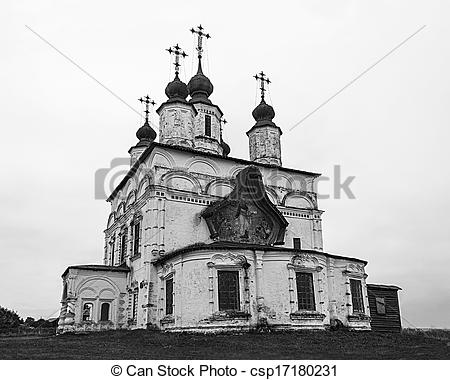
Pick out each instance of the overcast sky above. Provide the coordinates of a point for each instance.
(389, 129)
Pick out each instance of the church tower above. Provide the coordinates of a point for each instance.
(177, 115)
(208, 121)
(146, 134)
(264, 136)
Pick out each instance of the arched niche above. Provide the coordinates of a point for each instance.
(111, 219)
(130, 199)
(219, 187)
(297, 200)
(203, 166)
(163, 160)
(120, 209)
(107, 293)
(180, 180)
(278, 179)
(235, 170)
(143, 185)
(272, 194)
(97, 284)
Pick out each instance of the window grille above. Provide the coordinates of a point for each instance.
(228, 290)
(305, 291)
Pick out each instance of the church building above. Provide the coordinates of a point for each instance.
(198, 240)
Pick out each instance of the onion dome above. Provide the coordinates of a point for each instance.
(199, 86)
(146, 134)
(225, 148)
(177, 90)
(263, 113)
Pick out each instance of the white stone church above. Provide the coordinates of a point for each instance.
(198, 240)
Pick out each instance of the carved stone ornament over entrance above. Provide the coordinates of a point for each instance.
(246, 215)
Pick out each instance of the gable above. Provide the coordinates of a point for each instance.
(246, 215)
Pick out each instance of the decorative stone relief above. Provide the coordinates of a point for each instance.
(305, 261)
(246, 214)
(228, 259)
(166, 270)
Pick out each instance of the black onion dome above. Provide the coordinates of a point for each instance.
(225, 148)
(263, 112)
(177, 89)
(199, 86)
(146, 133)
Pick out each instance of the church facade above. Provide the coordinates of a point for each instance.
(197, 240)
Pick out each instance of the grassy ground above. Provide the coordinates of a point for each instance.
(141, 344)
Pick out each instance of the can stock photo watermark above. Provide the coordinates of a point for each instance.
(107, 181)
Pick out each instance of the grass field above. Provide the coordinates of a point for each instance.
(141, 344)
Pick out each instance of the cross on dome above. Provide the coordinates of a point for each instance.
(200, 34)
(262, 78)
(177, 52)
(146, 99)
(199, 86)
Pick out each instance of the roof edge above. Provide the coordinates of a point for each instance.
(97, 267)
(234, 246)
(380, 286)
(154, 144)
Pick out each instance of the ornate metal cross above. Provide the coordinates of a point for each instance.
(262, 78)
(222, 124)
(146, 99)
(177, 52)
(200, 35)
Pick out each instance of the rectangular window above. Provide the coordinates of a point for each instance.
(135, 305)
(169, 296)
(381, 305)
(208, 125)
(104, 312)
(123, 245)
(357, 297)
(228, 282)
(305, 291)
(297, 243)
(136, 238)
(87, 311)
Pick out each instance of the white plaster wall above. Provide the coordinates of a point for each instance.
(193, 306)
(184, 226)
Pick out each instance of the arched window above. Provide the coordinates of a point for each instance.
(87, 311)
(111, 251)
(104, 312)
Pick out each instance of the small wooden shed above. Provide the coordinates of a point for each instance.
(384, 308)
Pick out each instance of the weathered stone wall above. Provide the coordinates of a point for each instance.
(264, 145)
(95, 287)
(176, 126)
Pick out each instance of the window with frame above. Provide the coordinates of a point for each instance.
(169, 296)
(381, 305)
(135, 306)
(123, 245)
(228, 286)
(136, 238)
(357, 296)
(87, 311)
(104, 312)
(297, 243)
(111, 252)
(208, 125)
(305, 291)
